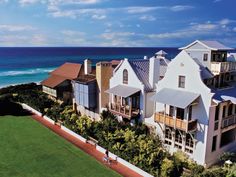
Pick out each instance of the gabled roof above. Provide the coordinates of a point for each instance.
(141, 69)
(212, 45)
(53, 81)
(161, 52)
(68, 70)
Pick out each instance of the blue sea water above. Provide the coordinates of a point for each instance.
(32, 64)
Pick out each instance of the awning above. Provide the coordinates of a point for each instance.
(177, 98)
(229, 98)
(122, 90)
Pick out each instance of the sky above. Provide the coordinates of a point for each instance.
(118, 23)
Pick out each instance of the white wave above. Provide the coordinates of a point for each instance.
(26, 72)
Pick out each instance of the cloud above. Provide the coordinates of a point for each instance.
(3, 1)
(99, 17)
(234, 29)
(140, 9)
(192, 31)
(72, 33)
(14, 28)
(116, 35)
(29, 2)
(179, 8)
(215, 1)
(147, 18)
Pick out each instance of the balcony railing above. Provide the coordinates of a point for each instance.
(175, 122)
(222, 67)
(228, 121)
(124, 111)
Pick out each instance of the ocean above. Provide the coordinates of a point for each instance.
(32, 64)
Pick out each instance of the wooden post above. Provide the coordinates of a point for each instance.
(130, 107)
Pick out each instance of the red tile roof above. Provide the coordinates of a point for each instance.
(53, 81)
(68, 70)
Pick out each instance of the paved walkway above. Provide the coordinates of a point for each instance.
(88, 148)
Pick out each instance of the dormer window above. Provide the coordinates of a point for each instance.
(125, 76)
(205, 57)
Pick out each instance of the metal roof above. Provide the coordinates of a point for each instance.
(141, 68)
(177, 98)
(212, 45)
(122, 90)
(216, 45)
(222, 94)
(161, 52)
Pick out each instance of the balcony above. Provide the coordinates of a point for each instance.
(229, 121)
(124, 111)
(222, 67)
(176, 123)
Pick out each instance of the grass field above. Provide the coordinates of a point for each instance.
(27, 149)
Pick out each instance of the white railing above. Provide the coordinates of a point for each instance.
(221, 67)
(228, 121)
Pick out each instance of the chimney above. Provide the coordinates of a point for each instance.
(154, 71)
(87, 66)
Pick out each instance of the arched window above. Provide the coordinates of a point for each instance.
(125, 76)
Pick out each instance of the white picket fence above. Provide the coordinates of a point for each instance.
(98, 148)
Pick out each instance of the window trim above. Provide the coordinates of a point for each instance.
(181, 83)
(125, 76)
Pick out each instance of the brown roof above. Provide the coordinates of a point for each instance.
(68, 70)
(53, 81)
(115, 62)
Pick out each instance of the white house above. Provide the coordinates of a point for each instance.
(195, 103)
(132, 85)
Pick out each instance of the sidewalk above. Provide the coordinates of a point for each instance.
(88, 148)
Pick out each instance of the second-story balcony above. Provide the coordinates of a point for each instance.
(229, 121)
(184, 125)
(124, 111)
(222, 67)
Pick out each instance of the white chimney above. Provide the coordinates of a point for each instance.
(154, 71)
(87, 66)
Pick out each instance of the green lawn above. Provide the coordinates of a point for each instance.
(27, 149)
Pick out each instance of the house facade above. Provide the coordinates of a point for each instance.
(195, 109)
(90, 98)
(58, 84)
(131, 86)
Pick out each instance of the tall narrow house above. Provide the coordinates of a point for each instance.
(195, 103)
(132, 84)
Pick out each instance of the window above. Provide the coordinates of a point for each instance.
(190, 112)
(125, 76)
(213, 148)
(181, 81)
(224, 111)
(180, 113)
(205, 57)
(230, 110)
(171, 111)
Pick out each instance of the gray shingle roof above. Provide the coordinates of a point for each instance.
(141, 68)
